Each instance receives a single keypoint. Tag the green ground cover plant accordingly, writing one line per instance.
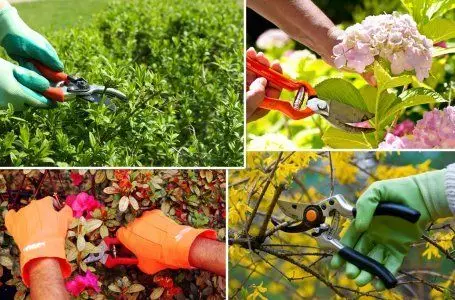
(179, 62)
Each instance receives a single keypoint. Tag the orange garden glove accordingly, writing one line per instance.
(40, 231)
(159, 243)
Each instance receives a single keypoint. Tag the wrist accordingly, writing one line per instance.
(449, 184)
(333, 34)
(44, 249)
(432, 188)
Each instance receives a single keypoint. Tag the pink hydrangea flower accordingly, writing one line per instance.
(394, 37)
(403, 128)
(272, 38)
(82, 204)
(81, 283)
(76, 178)
(435, 131)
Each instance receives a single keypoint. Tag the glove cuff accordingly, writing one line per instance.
(450, 187)
(51, 248)
(179, 242)
(431, 185)
(5, 20)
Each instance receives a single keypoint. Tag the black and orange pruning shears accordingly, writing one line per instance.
(313, 217)
(338, 114)
(112, 253)
(66, 87)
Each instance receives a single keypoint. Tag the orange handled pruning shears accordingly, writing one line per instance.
(338, 114)
(65, 87)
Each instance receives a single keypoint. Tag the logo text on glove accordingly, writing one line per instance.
(34, 246)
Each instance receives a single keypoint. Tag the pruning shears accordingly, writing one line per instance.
(112, 253)
(338, 114)
(66, 87)
(313, 217)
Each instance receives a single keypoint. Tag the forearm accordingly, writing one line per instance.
(46, 280)
(3, 3)
(303, 21)
(208, 255)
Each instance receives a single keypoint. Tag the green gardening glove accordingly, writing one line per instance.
(18, 86)
(387, 239)
(22, 43)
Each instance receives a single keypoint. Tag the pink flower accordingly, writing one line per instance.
(80, 283)
(76, 178)
(404, 128)
(392, 142)
(82, 204)
(435, 131)
(272, 38)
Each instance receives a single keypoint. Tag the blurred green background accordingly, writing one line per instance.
(56, 14)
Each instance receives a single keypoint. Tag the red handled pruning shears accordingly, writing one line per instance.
(109, 253)
(338, 114)
(65, 87)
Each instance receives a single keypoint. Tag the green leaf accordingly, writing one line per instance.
(439, 30)
(413, 97)
(135, 288)
(337, 138)
(92, 140)
(80, 243)
(439, 8)
(104, 232)
(92, 225)
(438, 51)
(342, 91)
(385, 81)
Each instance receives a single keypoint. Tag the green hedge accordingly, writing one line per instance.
(180, 62)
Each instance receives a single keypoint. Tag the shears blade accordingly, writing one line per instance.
(291, 209)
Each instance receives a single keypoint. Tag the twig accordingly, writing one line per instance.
(332, 178)
(261, 236)
(261, 196)
(446, 253)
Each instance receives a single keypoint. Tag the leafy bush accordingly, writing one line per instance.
(179, 62)
(266, 262)
(395, 98)
(104, 200)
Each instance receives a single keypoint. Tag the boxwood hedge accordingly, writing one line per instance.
(181, 65)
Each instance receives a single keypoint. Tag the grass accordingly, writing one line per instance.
(58, 14)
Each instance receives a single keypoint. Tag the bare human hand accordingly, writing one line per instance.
(258, 88)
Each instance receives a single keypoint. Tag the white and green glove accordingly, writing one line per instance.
(20, 87)
(388, 239)
(22, 43)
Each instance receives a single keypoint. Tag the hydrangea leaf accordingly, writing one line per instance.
(443, 51)
(439, 30)
(342, 91)
(413, 97)
(439, 8)
(385, 81)
(337, 138)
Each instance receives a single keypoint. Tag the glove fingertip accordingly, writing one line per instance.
(9, 219)
(336, 262)
(67, 213)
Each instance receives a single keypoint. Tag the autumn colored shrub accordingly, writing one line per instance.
(180, 64)
(273, 264)
(104, 200)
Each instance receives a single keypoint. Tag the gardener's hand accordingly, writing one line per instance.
(388, 239)
(40, 231)
(258, 88)
(159, 243)
(22, 43)
(20, 87)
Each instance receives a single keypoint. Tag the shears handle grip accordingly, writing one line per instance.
(112, 262)
(53, 93)
(286, 108)
(395, 210)
(370, 265)
(279, 80)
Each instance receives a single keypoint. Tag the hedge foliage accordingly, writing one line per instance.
(180, 63)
